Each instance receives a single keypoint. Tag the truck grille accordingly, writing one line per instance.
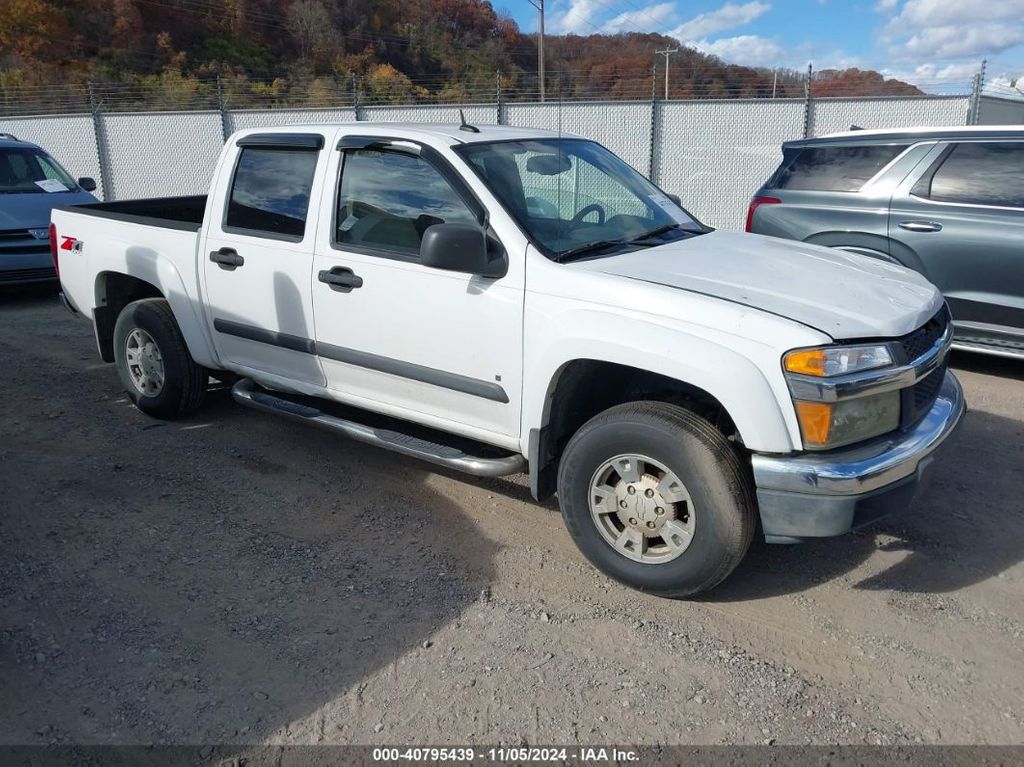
(918, 399)
(921, 340)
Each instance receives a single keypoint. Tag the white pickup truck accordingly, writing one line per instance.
(511, 300)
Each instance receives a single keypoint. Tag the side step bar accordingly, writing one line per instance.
(246, 392)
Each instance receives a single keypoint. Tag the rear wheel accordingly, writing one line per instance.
(657, 498)
(153, 362)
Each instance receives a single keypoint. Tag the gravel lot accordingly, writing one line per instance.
(238, 578)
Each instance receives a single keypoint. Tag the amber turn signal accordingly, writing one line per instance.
(815, 422)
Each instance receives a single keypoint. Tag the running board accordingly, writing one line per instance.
(247, 393)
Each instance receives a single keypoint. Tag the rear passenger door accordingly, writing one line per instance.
(258, 257)
(961, 222)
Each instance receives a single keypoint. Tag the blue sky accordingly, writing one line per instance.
(929, 42)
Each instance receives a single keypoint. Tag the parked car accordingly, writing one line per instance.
(31, 184)
(946, 202)
(521, 301)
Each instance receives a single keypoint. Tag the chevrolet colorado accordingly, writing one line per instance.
(498, 300)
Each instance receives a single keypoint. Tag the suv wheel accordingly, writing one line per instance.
(657, 498)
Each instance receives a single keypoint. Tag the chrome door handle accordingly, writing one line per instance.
(920, 226)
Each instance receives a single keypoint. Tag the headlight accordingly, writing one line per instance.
(828, 422)
(834, 424)
(836, 360)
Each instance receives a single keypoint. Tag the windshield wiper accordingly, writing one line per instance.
(655, 232)
(583, 250)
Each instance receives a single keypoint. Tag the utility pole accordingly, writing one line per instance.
(666, 53)
(539, 5)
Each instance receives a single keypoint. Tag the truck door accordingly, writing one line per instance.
(258, 257)
(961, 224)
(439, 347)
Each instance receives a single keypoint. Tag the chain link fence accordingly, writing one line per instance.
(713, 153)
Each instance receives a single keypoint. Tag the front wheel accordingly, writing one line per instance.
(153, 362)
(657, 498)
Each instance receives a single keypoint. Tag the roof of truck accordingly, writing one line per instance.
(449, 131)
(913, 134)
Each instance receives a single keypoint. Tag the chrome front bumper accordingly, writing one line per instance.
(821, 494)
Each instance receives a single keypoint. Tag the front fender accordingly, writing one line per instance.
(729, 368)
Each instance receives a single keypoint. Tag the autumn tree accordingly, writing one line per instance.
(30, 29)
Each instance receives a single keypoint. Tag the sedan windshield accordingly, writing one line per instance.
(25, 170)
(575, 199)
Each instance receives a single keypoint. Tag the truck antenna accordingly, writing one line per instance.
(465, 125)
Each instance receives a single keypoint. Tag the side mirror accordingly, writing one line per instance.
(88, 184)
(676, 199)
(460, 248)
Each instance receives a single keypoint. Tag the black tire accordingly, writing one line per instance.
(712, 470)
(184, 381)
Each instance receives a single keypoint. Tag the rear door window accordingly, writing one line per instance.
(270, 192)
(989, 173)
(834, 168)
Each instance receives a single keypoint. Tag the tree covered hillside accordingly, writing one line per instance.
(172, 52)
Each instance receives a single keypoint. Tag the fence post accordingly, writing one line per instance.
(225, 118)
(355, 98)
(501, 104)
(652, 159)
(974, 114)
(808, 103)
(99, 131)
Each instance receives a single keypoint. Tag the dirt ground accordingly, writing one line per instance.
(238, 578)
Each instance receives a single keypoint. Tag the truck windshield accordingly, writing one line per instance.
(29, 171)
(575, 199)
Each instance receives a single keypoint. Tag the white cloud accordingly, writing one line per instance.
(728, 16)
(886, 5)
(578, 18)
(653, 17)
(937, 30)
(751, 50)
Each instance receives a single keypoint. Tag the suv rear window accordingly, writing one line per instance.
(833, 168)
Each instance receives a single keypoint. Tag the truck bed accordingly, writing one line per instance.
(184, 213)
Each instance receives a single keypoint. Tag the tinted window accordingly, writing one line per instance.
(389, 199)
(979, 174)
(270, 192)
(835, 169)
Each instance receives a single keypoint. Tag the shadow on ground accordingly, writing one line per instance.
(948, 545)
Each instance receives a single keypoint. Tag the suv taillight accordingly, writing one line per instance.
(756, 203)
(53, 249)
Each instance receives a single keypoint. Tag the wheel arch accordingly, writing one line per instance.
(114, 290)
(581, 387)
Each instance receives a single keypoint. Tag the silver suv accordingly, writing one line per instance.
(947, 202)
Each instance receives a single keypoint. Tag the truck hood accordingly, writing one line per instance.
(32, 209)
(841, 294)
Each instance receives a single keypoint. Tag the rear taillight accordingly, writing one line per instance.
(53, 249)
(756, 203)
